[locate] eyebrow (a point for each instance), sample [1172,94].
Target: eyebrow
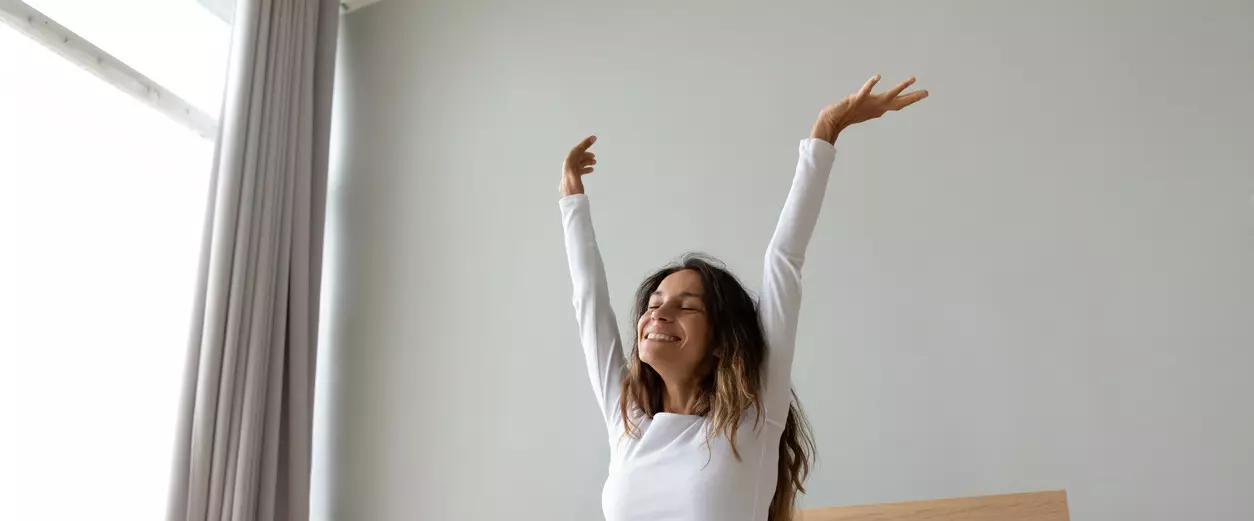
[685,294]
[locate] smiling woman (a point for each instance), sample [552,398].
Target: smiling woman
[702,420]
[707,360]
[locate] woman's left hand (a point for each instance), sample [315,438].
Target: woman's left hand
[862,106]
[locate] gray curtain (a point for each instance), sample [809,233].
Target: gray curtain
[244,441]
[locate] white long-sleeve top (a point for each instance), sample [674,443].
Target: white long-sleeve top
[668,472]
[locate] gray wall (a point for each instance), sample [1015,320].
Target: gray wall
[1041,277]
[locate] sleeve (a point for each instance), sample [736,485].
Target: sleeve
[598,328]
[780,301]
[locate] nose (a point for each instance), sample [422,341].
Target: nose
[662,313]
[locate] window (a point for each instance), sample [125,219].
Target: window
[179,44]
[102,202]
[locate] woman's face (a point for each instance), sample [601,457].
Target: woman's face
[672,332]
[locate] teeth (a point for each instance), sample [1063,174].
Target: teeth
[661,337]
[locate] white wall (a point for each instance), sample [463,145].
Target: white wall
[1041,277]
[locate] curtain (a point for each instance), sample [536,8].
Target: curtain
[244,440]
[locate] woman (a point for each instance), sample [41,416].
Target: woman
[701,419]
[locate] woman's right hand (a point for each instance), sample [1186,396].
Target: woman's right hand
[579,162]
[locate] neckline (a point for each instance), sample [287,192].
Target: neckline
[677,415]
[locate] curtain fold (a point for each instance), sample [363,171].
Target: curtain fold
[244,439]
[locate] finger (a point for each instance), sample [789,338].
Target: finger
[866,88]
[900,87]
[585,170]
[905,100]
[587,142]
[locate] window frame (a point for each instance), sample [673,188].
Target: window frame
[43,29]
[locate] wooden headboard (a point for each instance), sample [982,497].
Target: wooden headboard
[1031,506]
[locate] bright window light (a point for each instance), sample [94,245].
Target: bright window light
[102,203]
[179,44]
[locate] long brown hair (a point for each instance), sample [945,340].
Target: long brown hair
[732,386]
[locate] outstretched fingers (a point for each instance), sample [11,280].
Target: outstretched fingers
[900,87]
[907,99]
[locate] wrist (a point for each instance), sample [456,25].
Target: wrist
[825,132]
[570,186]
